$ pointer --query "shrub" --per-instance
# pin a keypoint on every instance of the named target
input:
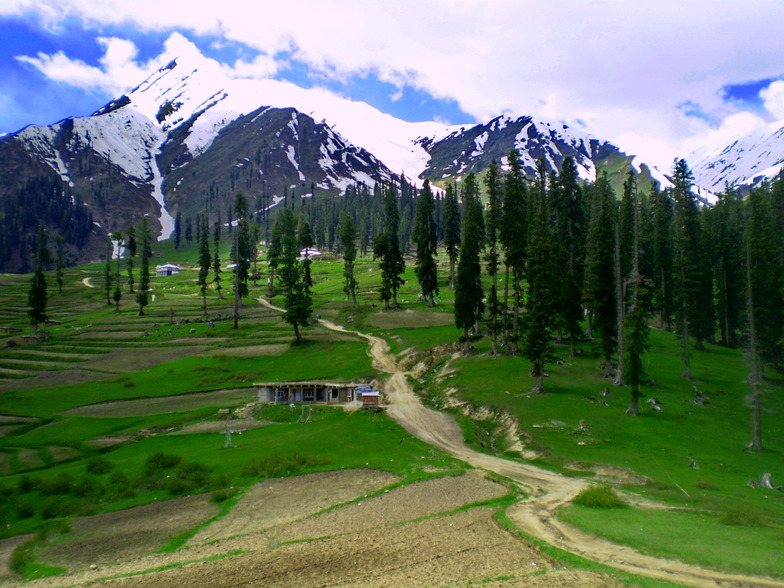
(196, 473)
(22, 555)
(178, 486)
(598, 496)
(28, 484)
(99, 465)
(62, 484)
(160, 461)
(223, 495)
(706, 485)
(24, 509)
(88, 486)
(743, 516)
(55, 508)
(281, 465)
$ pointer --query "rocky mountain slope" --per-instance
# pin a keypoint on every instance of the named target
(189, 137)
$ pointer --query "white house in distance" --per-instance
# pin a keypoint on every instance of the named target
(167, 269)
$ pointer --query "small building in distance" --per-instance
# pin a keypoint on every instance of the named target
(167, 269)
(304, 392)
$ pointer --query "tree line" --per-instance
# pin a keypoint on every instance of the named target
(580, 262)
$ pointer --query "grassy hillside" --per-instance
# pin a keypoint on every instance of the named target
(103, 415)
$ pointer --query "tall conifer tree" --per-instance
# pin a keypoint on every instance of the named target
(37, 296)
(538, 319)
(599, 275)
(514, 240)
(205, 261)
(349, 247)
(451, 230)
(145, 241)
(425, 239)
(492, 230)
(468, 287)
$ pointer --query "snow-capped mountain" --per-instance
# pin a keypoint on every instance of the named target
(747, 160)
(190, 136)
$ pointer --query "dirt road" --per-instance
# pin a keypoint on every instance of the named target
(548, 491)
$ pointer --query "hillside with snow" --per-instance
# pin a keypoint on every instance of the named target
(749, 159)
(188, 137)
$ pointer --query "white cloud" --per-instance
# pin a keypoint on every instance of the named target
(622, 67)
(773, 99)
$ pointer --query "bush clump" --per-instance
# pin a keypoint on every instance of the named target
(99, 465)
(158, 462)
(599, 497)
(282, 465)
(743, 516)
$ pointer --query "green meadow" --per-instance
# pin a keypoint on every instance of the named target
(91, 420)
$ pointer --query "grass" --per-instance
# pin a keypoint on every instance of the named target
(142, 377)
(695, 537)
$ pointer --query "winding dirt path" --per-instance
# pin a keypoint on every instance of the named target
(548, 491)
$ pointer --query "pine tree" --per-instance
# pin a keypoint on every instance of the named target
(37, 296)
(636, 320)
(764, 235)
(451, 230)
(492, 230)
(241, 254)
(468, 286)
(177, 230)
(569, 221)
(599, 275)
(386, 248)
(145, 240)
(216, 266)
(689, 301)
(117, 294)
(726, 227)
(425, 239)
(297, 300)
(273, 256)
(662, 243)
(349, 247)
(59, 262)
(108, 274)
(513, 236)
(130, 245)
(204, 262)
(306, 243)
(625, 248)
(538, 319)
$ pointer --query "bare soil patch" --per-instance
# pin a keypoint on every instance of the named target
(63, 453)
(110, 441)
(166, 404)
(29, 458)
(396, 319)
(405, 503)
(120, 536)
(236, 426)
(120, 360)
(10, 418)
(45, 379)
(461, 547)
(285, 500)
(252, 351)
(7, 547)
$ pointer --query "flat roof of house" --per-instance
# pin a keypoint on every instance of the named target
(304, 384)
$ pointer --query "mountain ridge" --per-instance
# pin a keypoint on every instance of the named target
(190, 135)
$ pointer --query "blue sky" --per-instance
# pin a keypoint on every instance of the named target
(658, 79)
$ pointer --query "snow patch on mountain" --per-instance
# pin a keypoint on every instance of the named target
(747, 160)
